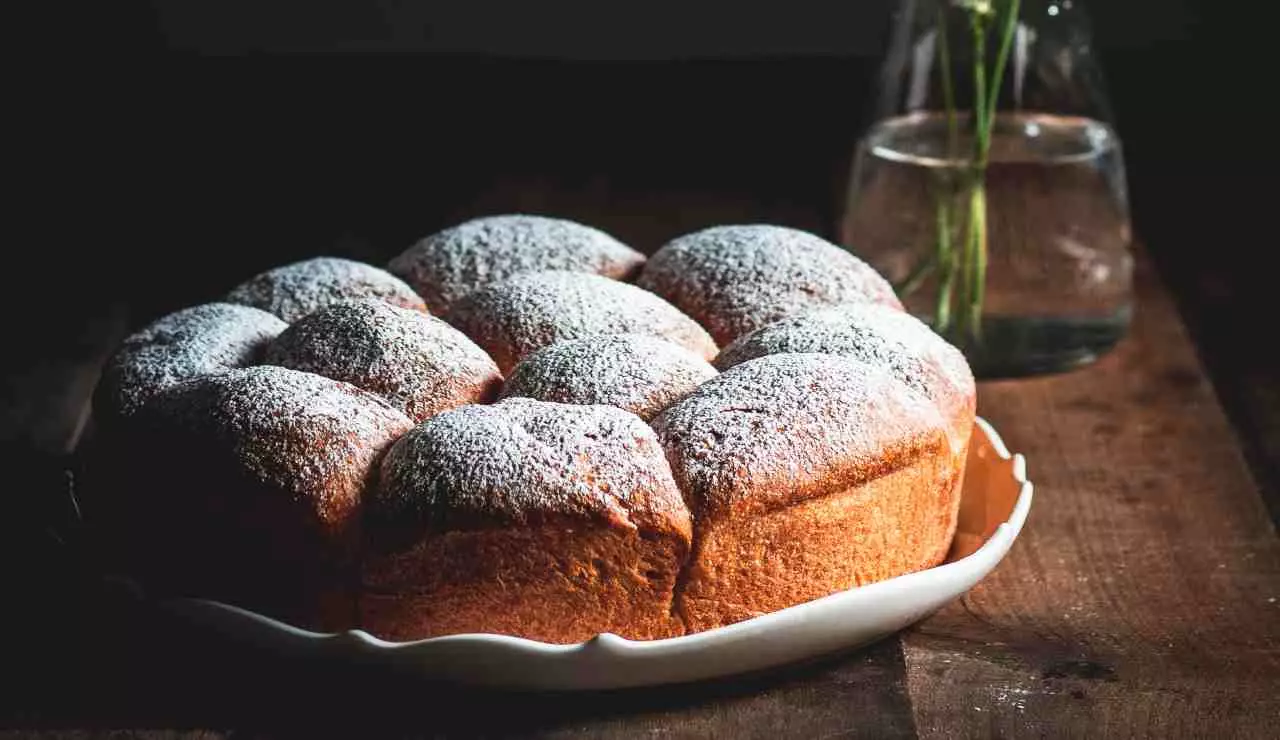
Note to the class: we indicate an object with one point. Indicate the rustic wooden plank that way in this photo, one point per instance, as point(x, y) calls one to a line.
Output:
point(1143, 598)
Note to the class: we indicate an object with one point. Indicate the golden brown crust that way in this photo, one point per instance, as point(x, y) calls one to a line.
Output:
point(558, 584)
point(807, 474)
point(541, 519)
point(780, 429)
point(747, 565)
point(829, 454)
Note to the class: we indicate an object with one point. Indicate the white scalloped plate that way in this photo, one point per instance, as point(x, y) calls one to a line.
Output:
point(996, 500)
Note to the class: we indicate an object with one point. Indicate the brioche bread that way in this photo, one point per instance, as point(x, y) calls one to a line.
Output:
point(549, 521)
point(415, 362)
point(322, 450)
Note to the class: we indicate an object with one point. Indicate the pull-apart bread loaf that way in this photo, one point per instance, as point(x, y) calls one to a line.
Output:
point(322, 450)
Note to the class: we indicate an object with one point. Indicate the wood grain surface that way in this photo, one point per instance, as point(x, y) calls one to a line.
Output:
point(1143, 598)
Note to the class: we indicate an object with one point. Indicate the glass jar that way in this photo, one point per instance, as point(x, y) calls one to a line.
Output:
point(990, 186)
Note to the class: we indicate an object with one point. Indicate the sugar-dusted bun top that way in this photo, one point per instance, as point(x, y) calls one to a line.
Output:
point(312, 439)
point(734, 279)
point(414, 361)
point(524, 462)
point(447, 265)
point(878, 335)
point(196, 341)
point(633, 372)
point(515, 317)
point(295, 290)
point(784, 428)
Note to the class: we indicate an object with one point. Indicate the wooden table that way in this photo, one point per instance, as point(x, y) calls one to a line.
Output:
point(1142, 599)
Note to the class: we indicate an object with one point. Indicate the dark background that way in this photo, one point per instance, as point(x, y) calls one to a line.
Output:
point(159, 176)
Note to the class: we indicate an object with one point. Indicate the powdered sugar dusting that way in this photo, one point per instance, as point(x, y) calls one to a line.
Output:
point(447, 265)
point(196, 341)
point(310, 436)
point(416, 362)
point(295, 290)
point(875, 334)
point(520, 462)
point(734, 279)
point(515, 317)
point(634, 372)
point(790, 426)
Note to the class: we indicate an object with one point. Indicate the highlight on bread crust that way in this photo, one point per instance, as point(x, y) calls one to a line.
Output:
point(201, 340)
point(414, 361)
point(881, 336)
point(541, 520)
point(807, 474)
point(735, 279)
point(295, 290)
point(891, 339)
point(513, 318)
point(445, 266)
point(247, 487)
point(633, 372)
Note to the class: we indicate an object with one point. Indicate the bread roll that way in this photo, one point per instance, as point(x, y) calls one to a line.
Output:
point(200, 340)
point(247, 487)
point(415, 362)
point(295, 290)
point(735, 279)
point(518, 316)
point(541, 520)
point(806, 474)
point(449, 264)
point(633, 372)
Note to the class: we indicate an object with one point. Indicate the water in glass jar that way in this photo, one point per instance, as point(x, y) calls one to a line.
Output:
point(1059, 273)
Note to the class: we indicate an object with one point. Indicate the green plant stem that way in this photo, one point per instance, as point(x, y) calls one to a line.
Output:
point(969, 315)
point(945, 251)
point(1002, 60)
point(946, 263)
point(961, 253)
point(978, 222)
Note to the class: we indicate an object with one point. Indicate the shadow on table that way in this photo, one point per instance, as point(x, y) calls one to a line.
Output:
point(141, 669)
